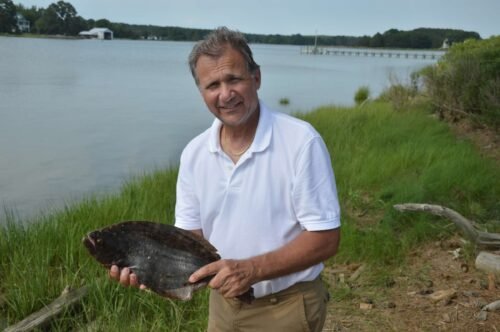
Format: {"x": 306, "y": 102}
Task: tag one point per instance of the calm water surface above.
{"x": 79, "y": 117}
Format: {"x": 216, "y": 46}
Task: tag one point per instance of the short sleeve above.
{"x": 187, "y": 207}
{"x": 314, "y": 191}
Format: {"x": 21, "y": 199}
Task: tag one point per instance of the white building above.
{"x": 23, "y": 25}
{"x": 97, "y": 33}
{"x": 446, "y": 44}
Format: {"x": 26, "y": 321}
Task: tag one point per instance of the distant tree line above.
{"x": 61, "y": 18}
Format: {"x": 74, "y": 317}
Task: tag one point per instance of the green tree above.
{"x": 59, "y": 18}
{"x": 102, "y": 23}
{"x": 8, "y": 21}
{"x": 377, "y": 40}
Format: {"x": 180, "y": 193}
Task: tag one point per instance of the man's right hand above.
{"x": 125, "y": 277}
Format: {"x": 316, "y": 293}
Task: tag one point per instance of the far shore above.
{"x": 65, "y": 37}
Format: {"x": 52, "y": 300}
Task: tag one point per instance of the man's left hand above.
{"x": 231, "y": 277}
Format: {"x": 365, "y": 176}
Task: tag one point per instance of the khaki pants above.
{"x": 301, "y": 307}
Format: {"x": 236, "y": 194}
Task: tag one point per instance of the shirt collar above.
{"x": 262, "y": 137}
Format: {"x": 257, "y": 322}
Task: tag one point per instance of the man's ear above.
{"x": 257, "y": 77}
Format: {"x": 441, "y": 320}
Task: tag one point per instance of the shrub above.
{"x": 361, "y": 95}
{"x": 466, "y": 81}
{"x": 284, "y": 101}
{"x": 402, "y": 96}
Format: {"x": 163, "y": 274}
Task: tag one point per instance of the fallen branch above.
{"x": 66, "y": 299}
{"x": 452, "y": 109}
{"x": 482, "y": 239}
{"x": 357, "y": 273}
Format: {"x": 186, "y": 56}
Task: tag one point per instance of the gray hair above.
{"x": 215, "y": 44}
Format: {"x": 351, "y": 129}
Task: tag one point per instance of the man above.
{"x": 259, "y": 186}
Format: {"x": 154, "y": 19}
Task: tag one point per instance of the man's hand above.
{"x": 124, "y": 277}
{"x": 231, "y": 277}
{"x": 235, "y": 277}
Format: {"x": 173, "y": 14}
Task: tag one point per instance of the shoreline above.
{"x": 64, "y": 37}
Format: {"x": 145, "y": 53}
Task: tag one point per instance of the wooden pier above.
{"x": 373, "y": 52}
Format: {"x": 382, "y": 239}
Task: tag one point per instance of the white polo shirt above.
{"x": 283, "y": 184}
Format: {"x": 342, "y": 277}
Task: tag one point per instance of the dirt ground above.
{"x": 405, "y": 302}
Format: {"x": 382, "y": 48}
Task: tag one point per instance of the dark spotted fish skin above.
{"x": 162, "y": 256}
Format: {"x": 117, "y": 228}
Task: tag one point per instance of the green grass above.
{"x": 380, "y": 157}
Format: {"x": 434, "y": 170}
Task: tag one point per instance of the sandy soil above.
{"x": 405, "y": 302}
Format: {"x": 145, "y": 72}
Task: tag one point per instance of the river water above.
{"x": 80, "y": 117}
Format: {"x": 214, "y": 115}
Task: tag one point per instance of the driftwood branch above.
{"x": 66, "y": 299}
{"x": 357, "y": 273}
{"x": 452, "y": 109}
{"x": 482, "y": 239}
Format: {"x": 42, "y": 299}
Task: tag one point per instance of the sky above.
{"x": 306, "y": 17}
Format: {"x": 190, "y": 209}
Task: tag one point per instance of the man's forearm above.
{"x": 309, "y": 248}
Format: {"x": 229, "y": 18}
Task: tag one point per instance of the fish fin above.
{"x": 183, "y": 293}
{"x": 200, "y": 240}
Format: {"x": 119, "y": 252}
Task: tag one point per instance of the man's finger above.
{"x": 114, "y": 272}
{"x": 204, "y": 271}
{"x": 125, "y": 276}
{"x": 133, "y": 281}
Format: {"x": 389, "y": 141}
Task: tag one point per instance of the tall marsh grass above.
{"x": 380, "y": 157}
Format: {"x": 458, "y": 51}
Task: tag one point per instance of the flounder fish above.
{"x": 162, "y": 256}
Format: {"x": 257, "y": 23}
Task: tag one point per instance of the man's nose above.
{"x": 226, "y": 92}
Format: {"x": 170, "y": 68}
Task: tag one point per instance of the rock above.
{"x": 366, "y": 306}
{"x": 493, "y": 306}
{"x": 482, "y": 315}
{"x": 488, "y": 262}
{"x": 443, "y": 295}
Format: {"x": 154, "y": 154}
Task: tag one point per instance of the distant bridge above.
{"x": 373, "y": 52}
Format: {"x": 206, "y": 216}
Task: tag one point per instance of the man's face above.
{"x": 227, "y": 87}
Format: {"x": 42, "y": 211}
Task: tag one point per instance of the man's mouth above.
{"x": 231, "y": 107}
